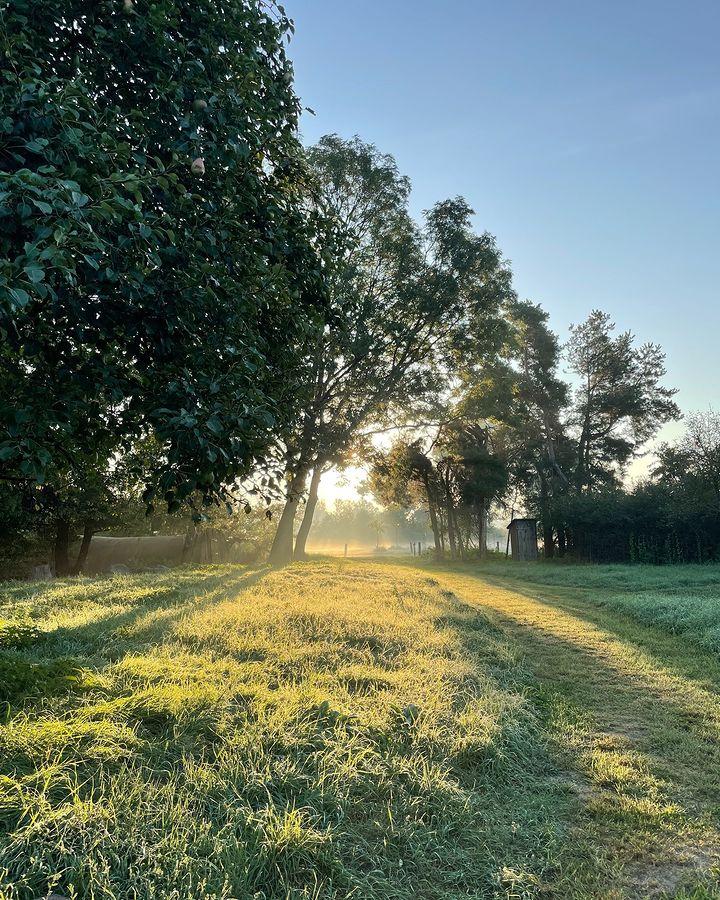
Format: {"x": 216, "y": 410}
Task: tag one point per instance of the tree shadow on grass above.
{"x": 652, "y": 690}
{"x": 94, "y": 645}
{"x": 623, "y": 705}
{"x": 670, "y": 651}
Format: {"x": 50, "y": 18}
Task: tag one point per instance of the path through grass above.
{"x": 632, "y": 710}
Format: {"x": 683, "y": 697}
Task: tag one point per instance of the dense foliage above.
{"x": 515, "y": 434}
{"x": 157, "y": 263}
{"x": 194, "y": 310}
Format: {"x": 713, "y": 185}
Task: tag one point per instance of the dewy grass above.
{"x": 362, "y": 729}
{"x": 331, "y": 730}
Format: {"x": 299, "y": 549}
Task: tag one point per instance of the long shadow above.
{"x": 592, "y": 680}
{"x": 96, "y": 645}
{"x": 669, "y": 651}
{"x": 630, "y": 712}
{"x": 225, "y": 587}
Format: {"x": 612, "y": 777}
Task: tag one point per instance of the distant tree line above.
{"x": 199, "y": 317}
{"x": 523, "y": 441}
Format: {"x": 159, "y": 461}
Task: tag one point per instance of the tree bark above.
{"x": 548, "y": 542}
{"x": 459, "y": 536}
{"x": 450, "y": 521}
{"x": 482, "y": 528}
{"x": 281, "y": 552}
{"x": 433, "y": 515}
{"x": 88, "y": 532}
{"x": 307, "y": 519}
{"x": 62, "y": 548}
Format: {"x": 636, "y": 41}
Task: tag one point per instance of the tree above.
{"x": 157, "y": 264}
{"x": 405, "y": 477}
{"x": 541, "y": 452}
{"x": 455, "y": 482}
{"x": 403, "y": 300}
{"x": 619, "y": 403}
{"x": 696, "y": 454}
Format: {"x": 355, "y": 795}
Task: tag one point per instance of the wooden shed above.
{"x": 523, "y": 539}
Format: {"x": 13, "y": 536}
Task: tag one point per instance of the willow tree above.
{"x": 157, "y": 270}
{"x": 403, "y": 298}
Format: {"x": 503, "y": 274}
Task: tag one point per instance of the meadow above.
{"x": 365, "y": 729}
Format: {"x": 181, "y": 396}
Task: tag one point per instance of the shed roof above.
{"x": 515, "y": 521}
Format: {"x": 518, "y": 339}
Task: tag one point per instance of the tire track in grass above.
{"x": 642, "y": 735}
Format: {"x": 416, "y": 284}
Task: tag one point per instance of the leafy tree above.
{"x": 696, "y": 455}
{"x": 619, "y": 403}
{"x": 404, "y": 300}
{"x": 455, "y": 482}
{"x": 405, "y": 477}
{"x": 157, "y": 266}
{"x": 541, "y": 450}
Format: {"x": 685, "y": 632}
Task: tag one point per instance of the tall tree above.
{"x": 542, "y": 452}
{"x": 619, "y": 402}
{"x": 403, "y": 299}
{"x": 157, "y": 263}
{"x": 405, "y": 477}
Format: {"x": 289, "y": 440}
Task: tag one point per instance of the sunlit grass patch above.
{"x": 334, "y": 729}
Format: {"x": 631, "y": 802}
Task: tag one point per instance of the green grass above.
{"x": 610, "y": 577}
{"x": 680, "y": 600}
{"x": 361, "y": 729}
{"x": 331, "y": 730}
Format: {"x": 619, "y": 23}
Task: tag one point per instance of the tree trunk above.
{"x": 307, "y": 519}
{"x": 62, "y": 548}
{"x": 548, "y": 542}
{"x": 189, "y": 543}
{"x": 450, "y": 522}
{"x": 88, "y": 532}
{"x": 281, "y": 552}
{"x": 433, "y": 516}
{"x": 482, "y": 528}
{"x": 459, "y": 536}
{"x": 562, "y": 544}
{"x": 441, "y": 526}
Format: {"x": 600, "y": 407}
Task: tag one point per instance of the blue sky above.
{"x": 586, "y": 136}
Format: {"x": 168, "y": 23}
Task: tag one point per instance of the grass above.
{"x": 680, "y": 600}
{"x": 348, "y": 728}
{"x": 331, "y": 730}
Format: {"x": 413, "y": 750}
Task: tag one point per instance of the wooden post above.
{"x": 345, "y": 549}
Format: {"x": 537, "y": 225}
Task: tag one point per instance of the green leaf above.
{"x": 21, "y": 298}
{"x": 35, "y": 273}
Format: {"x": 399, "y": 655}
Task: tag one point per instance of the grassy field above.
{"x": 349, "y": 728}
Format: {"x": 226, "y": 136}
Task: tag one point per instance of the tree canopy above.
{"x": 195, "y": 309}
{"x": 158, "y": 263}
{"x": 405, "y": 299}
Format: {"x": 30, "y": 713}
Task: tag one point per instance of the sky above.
{"x": 585, "y": 135}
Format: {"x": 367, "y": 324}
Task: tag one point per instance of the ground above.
{"x": 365, "y": 729}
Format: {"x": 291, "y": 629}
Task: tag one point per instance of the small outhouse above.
{"x": 523, "y": 539}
